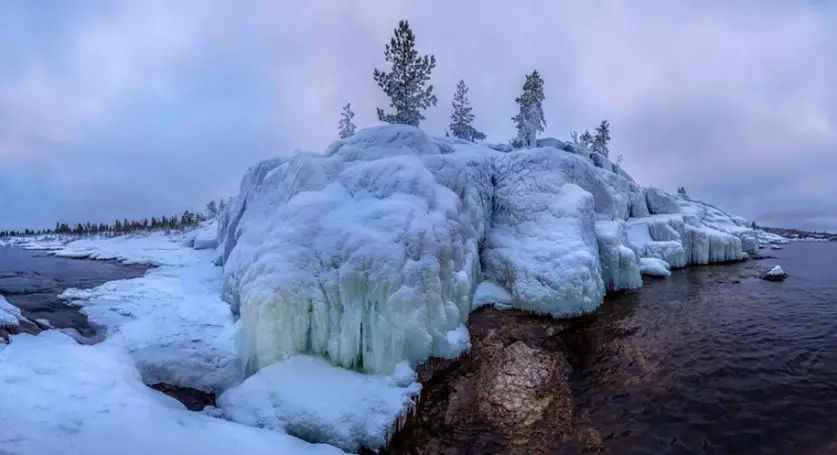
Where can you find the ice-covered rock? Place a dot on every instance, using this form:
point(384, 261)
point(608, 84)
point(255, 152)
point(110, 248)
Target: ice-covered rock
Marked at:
point(654, 267)
point(489, 293)
point(10, 315)
point(307, 397)
point(660, 202)
point(777, 273)
point(367, 256)
point(370, 255)
point(775, 247)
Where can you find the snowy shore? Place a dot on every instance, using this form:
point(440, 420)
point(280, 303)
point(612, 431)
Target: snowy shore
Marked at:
point(334, 277)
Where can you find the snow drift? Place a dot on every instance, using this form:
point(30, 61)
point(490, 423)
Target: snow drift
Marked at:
point(369, 255)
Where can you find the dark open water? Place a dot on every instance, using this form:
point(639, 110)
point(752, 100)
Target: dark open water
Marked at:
point(32, 280)
point(702, 363)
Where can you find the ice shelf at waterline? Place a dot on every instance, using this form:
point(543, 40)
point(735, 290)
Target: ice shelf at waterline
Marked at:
point(369, 254)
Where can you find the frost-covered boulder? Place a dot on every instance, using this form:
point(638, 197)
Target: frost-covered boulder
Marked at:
point(682, 240)
point(654, 267)
point(660, 202)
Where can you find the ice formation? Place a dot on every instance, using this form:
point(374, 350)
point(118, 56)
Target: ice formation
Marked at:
point(370, 255)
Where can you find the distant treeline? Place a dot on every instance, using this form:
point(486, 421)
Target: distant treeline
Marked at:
point(186, 220)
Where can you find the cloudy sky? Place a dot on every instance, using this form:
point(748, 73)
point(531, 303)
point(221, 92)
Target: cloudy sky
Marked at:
point(138, 108)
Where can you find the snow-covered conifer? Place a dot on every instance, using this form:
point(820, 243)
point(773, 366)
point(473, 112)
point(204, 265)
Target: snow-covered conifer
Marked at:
point(462, 117)
point(345, 126)
point(602, 138)
point(406, 84)
point(530, 120)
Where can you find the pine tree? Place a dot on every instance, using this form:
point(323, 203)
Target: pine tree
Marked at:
point(461, 119)
point(211, 209)
point(530, 120)
point(681, 190)
point(406, 84)
point(602, 138)
point(345, 127)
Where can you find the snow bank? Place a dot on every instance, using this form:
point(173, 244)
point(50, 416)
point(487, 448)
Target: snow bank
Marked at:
point(370, 254)
point(61, 397)
point(306, 396)
point(654, 267)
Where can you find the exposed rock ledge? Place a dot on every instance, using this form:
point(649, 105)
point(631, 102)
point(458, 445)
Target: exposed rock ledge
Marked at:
point(509, 394)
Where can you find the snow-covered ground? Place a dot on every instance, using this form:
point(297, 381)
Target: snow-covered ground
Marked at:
point(172, 326)
point(334, 276)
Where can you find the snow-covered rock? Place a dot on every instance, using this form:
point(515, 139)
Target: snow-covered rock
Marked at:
point(660, 202)
point(777, 273)
point(654, 267)
point(775, 247)
point(306, 396)
point(10, 315)
point(489, 293)
point(59, 397)
point(370, 254)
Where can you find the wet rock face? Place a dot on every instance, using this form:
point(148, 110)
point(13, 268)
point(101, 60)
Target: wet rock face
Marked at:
point(510, 394)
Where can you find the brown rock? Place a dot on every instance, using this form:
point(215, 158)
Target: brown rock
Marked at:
point(510, 394)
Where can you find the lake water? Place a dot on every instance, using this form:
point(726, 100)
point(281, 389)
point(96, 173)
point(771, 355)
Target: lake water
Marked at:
point(716, 360)
point(32, 281)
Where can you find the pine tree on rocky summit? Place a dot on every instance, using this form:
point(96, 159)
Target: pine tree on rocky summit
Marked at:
point(530, 120)
point(345, 126)
point(602, 138)
point(461, 119)
point(406, 84)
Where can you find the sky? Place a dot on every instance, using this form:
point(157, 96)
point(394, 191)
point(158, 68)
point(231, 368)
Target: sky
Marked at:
point(131, 109)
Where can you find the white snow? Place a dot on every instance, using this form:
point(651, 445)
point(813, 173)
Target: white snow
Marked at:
point(654, 267)
point(307, 396)
point(489, 293)
point(59, 397)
